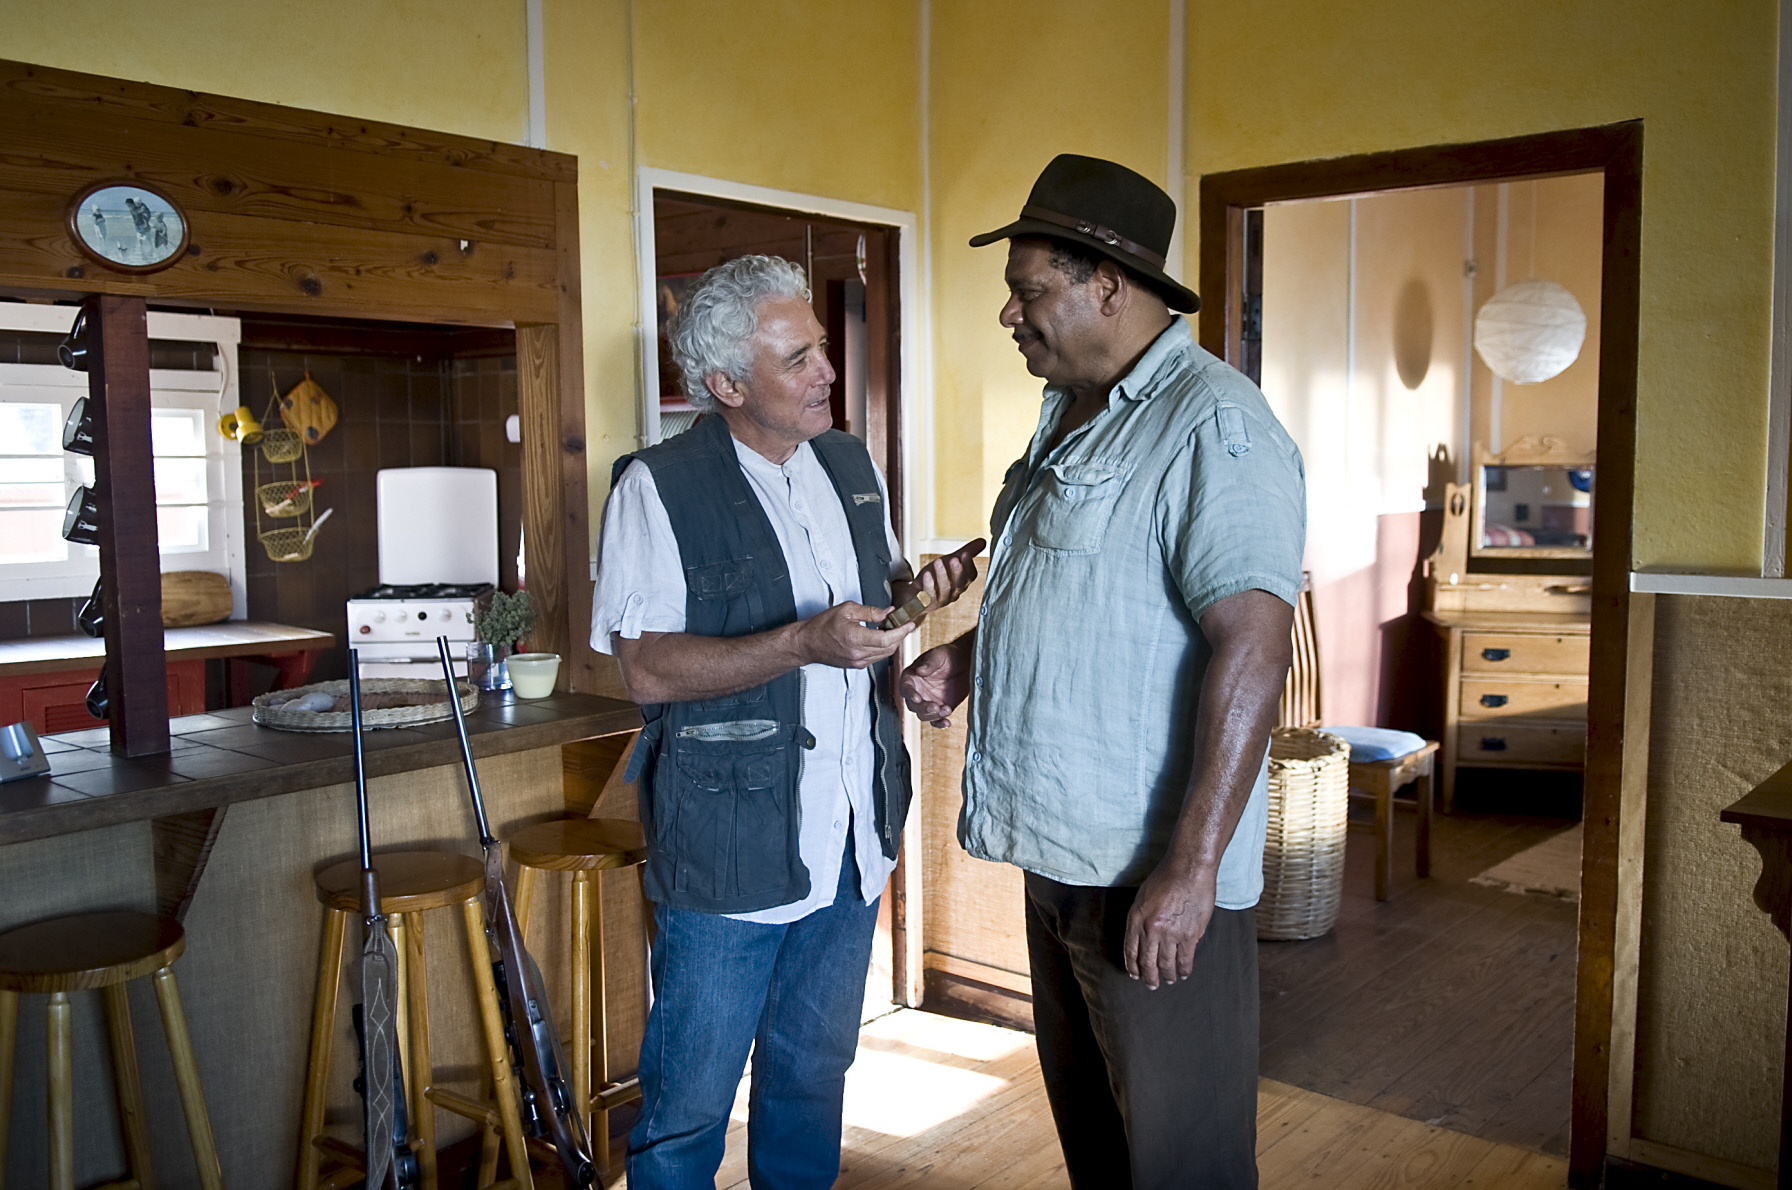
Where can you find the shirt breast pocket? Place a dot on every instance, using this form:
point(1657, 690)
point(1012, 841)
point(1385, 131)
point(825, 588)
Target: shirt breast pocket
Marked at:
point(1077, 501)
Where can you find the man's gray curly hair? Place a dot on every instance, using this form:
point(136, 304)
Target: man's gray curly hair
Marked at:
point(720, 316)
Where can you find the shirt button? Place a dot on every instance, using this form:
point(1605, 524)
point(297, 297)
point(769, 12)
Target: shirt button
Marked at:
point(976, 758)
point(1007, 538)
point(979, 683)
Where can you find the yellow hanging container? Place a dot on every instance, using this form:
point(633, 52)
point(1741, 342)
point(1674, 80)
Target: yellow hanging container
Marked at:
point(308, 409)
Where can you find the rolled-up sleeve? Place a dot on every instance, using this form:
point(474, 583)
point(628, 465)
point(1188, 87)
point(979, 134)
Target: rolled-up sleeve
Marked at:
point(1236, 517)
point(640, 580)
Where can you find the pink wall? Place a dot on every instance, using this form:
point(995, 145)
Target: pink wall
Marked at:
point(1376, 656)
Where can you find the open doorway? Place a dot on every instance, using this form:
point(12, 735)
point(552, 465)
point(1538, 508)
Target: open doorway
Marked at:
point(855, 288)
point(1362, 332)
point(1618, 678)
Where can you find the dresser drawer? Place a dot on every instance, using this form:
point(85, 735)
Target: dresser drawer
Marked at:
point(1522, 698)
point(1521, 743)
point(1509, 652)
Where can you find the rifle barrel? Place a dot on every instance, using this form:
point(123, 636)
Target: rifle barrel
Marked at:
point(354, 702)
point(466, 749)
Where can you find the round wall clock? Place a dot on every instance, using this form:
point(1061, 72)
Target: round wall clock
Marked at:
point(128, 226)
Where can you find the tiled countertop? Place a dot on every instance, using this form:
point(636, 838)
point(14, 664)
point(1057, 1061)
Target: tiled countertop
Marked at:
point(223, 757)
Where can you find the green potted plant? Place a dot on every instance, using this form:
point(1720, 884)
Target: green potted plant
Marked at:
point(497, 624)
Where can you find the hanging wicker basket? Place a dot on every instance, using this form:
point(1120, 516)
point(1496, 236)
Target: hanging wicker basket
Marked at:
point(286, 545)
point(1303, 851)
point(284, 499)
point(282, 446)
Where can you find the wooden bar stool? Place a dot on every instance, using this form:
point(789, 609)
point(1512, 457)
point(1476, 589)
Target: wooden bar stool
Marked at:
point(103, 951)
point(411, 884)
point(586, 847)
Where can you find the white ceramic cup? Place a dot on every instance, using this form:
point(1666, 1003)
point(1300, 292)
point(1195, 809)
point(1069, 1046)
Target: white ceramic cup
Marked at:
point(532, 674)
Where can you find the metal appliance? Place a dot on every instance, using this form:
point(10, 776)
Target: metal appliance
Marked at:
point(438, 543)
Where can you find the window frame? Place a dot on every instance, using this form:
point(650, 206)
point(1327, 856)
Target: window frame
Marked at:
point(213, 392)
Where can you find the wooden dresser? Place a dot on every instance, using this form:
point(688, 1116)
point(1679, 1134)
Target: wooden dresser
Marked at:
point(1514, 690)
point(1514, 647)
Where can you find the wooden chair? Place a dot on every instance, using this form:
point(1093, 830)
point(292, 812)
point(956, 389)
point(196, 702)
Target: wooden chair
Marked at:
point(586, 848)
point(1391, 761)
point(101, 951)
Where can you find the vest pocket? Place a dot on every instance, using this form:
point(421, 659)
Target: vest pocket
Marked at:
point(732, 824)
point(1075, 505)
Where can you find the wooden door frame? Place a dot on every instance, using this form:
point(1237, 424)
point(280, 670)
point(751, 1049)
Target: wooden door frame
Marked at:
point(1616, 764)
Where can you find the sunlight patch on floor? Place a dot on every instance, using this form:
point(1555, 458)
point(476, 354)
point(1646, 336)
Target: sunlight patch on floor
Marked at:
point(910, 1074)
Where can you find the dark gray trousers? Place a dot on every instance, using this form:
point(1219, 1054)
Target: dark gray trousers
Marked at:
point(1149, 1089)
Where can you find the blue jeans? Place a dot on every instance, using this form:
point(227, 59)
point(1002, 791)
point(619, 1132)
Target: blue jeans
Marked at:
point(793, 994)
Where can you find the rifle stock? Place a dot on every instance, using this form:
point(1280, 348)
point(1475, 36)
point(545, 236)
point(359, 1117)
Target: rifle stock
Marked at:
point(548, 1110)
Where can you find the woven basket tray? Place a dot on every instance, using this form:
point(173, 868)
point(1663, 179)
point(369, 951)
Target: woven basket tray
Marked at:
point(1303, 851)
point(272, 716)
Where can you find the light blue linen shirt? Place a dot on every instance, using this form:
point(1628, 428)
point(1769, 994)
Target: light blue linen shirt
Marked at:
point(1090, 656)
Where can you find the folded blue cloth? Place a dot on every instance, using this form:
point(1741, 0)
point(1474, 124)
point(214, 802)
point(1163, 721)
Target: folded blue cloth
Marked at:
point(1378, 743)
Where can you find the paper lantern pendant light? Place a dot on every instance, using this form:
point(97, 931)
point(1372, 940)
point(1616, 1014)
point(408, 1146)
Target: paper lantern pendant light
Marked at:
point(1530, 331)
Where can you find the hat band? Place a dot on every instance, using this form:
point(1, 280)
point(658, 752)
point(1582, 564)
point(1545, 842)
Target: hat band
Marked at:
point(1095, 231)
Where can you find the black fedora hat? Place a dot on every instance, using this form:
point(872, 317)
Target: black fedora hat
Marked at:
point(1108, 208)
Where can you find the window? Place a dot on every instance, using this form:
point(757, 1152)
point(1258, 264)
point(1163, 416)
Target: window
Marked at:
point(198, 474)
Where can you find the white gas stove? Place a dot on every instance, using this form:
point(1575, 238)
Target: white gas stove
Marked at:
point(438, 540)
point(394, 628)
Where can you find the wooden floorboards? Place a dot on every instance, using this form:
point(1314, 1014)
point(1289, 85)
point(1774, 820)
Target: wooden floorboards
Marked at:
point(1450, 1004)
point(914, 1119)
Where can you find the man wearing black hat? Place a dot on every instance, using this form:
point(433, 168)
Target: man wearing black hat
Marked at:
point(1133, 644)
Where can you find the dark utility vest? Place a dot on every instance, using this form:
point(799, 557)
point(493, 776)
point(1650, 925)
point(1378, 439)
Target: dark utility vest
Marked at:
point(718, 776)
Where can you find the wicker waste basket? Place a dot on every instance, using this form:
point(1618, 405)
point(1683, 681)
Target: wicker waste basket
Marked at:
point(1303, 851)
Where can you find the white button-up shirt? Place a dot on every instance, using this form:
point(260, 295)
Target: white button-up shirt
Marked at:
point(641, 588)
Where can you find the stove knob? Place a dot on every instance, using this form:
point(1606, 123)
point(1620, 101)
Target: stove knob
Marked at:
point(365, 630)
point(379, 617)
point(423, 615)
point(399, 616)
point(446, 615)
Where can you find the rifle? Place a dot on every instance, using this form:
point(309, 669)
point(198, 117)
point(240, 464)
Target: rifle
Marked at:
point(548, 1109)
point(390, 1161)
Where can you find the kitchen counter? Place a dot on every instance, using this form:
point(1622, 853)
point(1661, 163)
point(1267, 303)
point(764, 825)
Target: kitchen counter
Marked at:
point(222, 757)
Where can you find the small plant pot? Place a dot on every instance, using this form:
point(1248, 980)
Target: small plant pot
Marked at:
point(485, 665)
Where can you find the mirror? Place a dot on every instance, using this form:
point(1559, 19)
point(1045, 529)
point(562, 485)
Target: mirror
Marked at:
point(1533, 510)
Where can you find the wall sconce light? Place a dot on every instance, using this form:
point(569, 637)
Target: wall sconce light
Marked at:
point(81, 521)
point(72, 351)
point(97, 702)
point(77, 431)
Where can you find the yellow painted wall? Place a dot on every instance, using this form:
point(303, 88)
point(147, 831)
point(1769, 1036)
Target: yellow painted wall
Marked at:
point(1325, 78)
point(448, 65)
point(816, 96)
point(1013, 85)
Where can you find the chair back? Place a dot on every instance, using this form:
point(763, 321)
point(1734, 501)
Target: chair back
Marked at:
point(1302, 704)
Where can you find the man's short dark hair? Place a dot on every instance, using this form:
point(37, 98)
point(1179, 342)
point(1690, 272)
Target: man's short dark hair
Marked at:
point(1077, 262)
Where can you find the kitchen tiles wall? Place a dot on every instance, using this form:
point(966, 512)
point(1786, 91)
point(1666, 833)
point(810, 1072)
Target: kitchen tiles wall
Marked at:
point(394, 411)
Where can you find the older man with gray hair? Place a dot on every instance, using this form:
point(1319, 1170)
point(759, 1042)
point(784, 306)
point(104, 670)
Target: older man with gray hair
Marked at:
point(743, 568)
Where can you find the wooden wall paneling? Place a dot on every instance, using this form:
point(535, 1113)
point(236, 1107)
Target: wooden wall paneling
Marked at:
point(576, 544)
point(117, 332)
point(538, 405)
point(1616, 150)
point(114, 98)
point(254, 262)
point(57, 151)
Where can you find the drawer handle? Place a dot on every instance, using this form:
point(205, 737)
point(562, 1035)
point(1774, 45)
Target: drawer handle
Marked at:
point(1494, 700)
point(1493, 743)
point(1496, 654)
